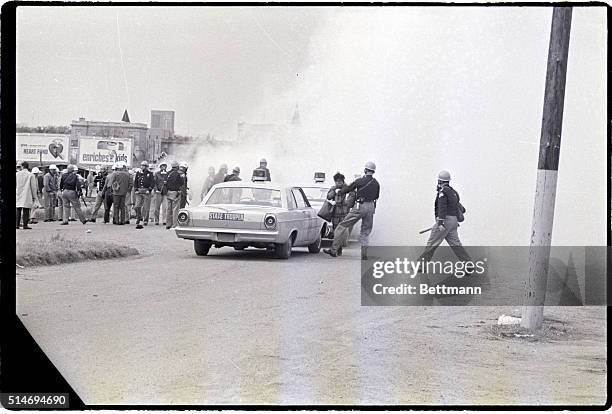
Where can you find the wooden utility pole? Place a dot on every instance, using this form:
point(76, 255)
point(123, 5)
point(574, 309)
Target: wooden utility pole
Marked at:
point(548, 164)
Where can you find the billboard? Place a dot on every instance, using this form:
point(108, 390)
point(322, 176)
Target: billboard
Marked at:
point(104, 151)
point(52, 147)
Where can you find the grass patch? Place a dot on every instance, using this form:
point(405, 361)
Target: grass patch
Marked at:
point(56, 250)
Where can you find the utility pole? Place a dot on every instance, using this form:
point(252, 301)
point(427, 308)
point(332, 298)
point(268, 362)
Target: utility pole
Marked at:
point(548, 165)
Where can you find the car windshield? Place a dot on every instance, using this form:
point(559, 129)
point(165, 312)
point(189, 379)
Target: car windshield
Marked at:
point(315, 193)
point(245, 195)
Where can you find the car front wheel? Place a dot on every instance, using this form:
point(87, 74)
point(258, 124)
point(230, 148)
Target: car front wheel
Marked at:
point(201, 247)
point(283, 250)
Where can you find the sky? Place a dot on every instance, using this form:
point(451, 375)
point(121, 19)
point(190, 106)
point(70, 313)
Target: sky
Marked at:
point(210, 65)
point(415, 89)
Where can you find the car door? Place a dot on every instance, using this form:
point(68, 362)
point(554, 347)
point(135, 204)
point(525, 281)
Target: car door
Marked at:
point(311, 217)
point(304, 232)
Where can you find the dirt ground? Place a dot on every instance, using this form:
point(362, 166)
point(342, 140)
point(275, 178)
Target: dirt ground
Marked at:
point(168, 327)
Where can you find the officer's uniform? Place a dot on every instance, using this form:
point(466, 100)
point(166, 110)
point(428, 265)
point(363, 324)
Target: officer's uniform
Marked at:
point(446, 206)
point(161, 199)
point(183, 190)
point(144, 183)
point(99, 195)
point(368, 191)
point(174, 184)
point(266, 173)
point(232, 177)
point(68, 184)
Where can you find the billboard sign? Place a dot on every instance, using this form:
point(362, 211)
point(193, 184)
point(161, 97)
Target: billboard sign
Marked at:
point(48, 148)
point(104, 151)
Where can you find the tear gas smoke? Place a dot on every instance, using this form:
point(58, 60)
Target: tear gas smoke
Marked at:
point(417, 90)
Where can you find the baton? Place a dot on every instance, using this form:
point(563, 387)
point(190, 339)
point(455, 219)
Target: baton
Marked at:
point(84, 202)
point(426, 230)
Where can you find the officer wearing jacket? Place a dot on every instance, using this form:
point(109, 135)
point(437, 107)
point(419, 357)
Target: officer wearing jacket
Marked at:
point(368, 191)
point(100, 194)
point(446, 210)
point(120, 183)
point(69, 184)
point(234, 176)
point(263, 166)
point(144, 182)
point(161, 199)
point(174, 184)
point(184, 192)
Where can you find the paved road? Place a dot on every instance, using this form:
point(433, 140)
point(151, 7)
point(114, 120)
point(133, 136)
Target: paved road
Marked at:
point(242, 327)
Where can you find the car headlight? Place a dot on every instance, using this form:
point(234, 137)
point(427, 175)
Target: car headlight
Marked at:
point(270, 221)
point(183, 217)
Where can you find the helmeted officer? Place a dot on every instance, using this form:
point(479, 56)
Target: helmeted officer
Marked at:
point(368, 191)
point(220, 175)
point(263, 166)
point(174, 184)
point(446, 209)
point(144, 183)
point(234, 176)
point(183, 167)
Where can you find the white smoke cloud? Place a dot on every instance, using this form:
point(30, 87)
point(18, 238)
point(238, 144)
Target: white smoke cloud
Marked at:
point(417, 90)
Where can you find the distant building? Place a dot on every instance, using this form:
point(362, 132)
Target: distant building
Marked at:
point(162, 130)
point(162, 120)
point(144, 147)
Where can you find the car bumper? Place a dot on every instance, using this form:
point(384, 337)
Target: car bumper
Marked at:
point(227, 235)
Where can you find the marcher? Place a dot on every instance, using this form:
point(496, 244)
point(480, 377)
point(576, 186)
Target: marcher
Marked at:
point(220, 176)
point(185, 189)
point(368, 191)
point(69, 184)
point(143, 186)
point(130, 211)
point(161, 193)
point(90, 183)
point(208, 183)
point(121, 185)
point(26, 195)
point(50, 189)
point(60, 202)
point(446, 210)
point(39, 182)
point(234, 176)
point(108, 193)
point(174, 185)
point(18, 167)
point(263, 165)
point(99, 181)
point(342, 204)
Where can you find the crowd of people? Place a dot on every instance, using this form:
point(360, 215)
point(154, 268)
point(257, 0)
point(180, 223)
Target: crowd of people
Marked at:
point(125, 193)
point(149, 192)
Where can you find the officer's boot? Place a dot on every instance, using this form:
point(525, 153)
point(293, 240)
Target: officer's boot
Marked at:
point(364, 252)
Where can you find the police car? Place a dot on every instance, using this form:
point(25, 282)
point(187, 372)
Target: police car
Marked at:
point(263, 215)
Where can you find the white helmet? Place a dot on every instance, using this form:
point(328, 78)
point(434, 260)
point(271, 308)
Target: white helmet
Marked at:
point(53, 167)
point(444, 176)
point(35, 170)
point(184, 164)
point(370, 166)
